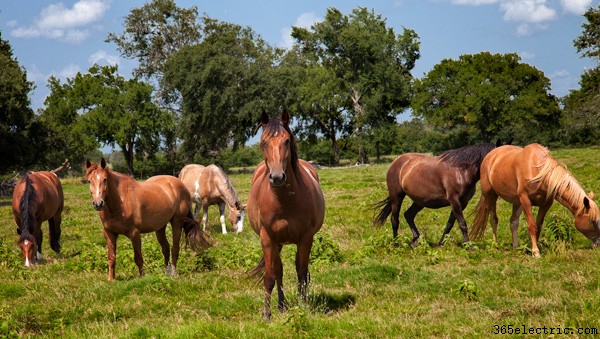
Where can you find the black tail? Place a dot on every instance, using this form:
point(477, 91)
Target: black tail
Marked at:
point(196, 237)
point(28, 199)
point(385, 207)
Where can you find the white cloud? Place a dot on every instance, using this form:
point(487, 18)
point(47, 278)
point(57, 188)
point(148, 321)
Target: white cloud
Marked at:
point(526, 55)
point(11, 23)
point(305, 20)
point(103, 58)
point(69, 71)
point(473, 2)
point(60, 23)
point(563, 73)
point(576, 6)
point(533, 11)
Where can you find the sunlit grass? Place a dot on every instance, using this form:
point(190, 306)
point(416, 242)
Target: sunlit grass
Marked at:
point(363, 283)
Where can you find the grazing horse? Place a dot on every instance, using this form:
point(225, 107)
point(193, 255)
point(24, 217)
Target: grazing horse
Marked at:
point(285, 206)
point(37, 197)
point(449, 179)
point(210, 186)
point(528, 177)
point(130, 208)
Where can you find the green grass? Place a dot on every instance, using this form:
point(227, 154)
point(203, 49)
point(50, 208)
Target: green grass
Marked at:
point(363, 283)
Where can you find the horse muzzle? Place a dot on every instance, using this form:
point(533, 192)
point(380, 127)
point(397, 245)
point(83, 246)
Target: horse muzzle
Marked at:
point(98, 205)
point(277, 179)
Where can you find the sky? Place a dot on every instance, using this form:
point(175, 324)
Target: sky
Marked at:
point(61, 38)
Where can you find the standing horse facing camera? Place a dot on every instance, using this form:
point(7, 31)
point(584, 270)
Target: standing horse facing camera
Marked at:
point(131, 208)
point(210, 186)
point(285, 206)
point(528, 177)
point(449, 179)
point(37, 197)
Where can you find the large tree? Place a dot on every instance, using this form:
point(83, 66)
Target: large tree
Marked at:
point(153, 32)
point(486, 95)
point(223, 83)
point(371, 62)
point(113, 110)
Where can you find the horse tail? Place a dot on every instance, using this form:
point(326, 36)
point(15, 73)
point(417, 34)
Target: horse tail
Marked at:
point(258, 273)
point(385, 207)
point(482, 213)
point(25, 206)
point(195, 235)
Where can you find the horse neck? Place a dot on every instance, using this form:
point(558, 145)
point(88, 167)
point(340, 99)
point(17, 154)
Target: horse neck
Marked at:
point(228, 192)
point(571, 196)
point(114, 203)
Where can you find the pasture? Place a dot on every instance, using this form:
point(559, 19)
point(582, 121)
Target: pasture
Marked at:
point(363, 284)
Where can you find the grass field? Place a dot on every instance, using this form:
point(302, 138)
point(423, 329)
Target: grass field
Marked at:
point(363, 284)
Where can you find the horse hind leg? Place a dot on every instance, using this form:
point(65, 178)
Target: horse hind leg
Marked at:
point(164, 246)
point(395, 214)
point(54, 228)
point(514, 225)
point(410, 215)
point(448, 228)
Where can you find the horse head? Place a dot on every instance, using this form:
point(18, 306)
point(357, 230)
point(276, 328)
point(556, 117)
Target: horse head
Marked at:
point(278, 147)
point(97, 177)
point(236, 217)
point(587, 220)
point(29, 248)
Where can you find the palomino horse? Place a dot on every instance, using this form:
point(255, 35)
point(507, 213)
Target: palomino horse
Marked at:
point(210, 186)
point(285, 206)
point(528, 177)
point(130, 208)
point(433, 182)
point(37, 197)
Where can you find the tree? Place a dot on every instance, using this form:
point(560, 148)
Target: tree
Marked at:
point(588, 43)
point(113, 110)
point(487, 95)
point(153, 32)
point(223, 83)
point(18, 128)
point(370, 61)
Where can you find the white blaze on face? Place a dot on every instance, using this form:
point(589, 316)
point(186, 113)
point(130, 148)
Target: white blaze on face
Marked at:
point(97, 191)
point(27, 262)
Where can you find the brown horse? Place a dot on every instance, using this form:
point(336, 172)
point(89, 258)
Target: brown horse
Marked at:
point(433, 182)
point(130, 208)
point(528, 177)
point(285, 206)
point(210, 186)
point(37, 197)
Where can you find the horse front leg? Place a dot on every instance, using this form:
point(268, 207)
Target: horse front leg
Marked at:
point(111, 245)
point(136, 241)
point(39, 238)
point(54, 228)
point(273, 273)
point(204, 216)
point(531, 224)
point(448, 228)
point(222, 217)
point(457, 211)
point(302, 261)
point(410, 215)
point(164, 246)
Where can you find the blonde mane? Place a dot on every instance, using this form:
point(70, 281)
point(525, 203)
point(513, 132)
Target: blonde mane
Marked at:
point(561, 183)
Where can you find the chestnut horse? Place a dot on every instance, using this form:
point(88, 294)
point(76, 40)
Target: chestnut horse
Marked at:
point(285, 206)
point(130, 208)
point(210, 186)
point(37, 197)
point(449, 179)
point(528, 177)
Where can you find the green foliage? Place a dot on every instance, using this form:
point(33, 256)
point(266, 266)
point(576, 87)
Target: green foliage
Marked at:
point(324, 250)
point(467, 289)
point(587, 43)
point(488, 95)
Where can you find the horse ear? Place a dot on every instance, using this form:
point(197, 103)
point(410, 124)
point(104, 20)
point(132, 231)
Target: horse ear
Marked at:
point(285, 117)
point(586, 202)
point(103, 163)
point(88, 163)
point(264, 118)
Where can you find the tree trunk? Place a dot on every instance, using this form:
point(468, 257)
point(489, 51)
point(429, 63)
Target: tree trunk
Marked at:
point(359, 111)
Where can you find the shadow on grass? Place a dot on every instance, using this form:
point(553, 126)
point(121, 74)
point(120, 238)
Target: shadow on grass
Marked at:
point(328, 303)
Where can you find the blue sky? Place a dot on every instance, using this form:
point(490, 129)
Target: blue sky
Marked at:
point(62, 38)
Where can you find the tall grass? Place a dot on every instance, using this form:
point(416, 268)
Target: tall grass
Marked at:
point(363, 283)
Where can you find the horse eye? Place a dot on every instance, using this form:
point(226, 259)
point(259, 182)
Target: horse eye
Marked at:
point(287, 142)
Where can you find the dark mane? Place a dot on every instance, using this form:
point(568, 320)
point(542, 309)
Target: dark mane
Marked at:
point(27, 211)
point(276, 126)
point(467, 156)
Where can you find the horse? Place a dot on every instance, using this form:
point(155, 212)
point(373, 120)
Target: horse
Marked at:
point(285, 206)
point(37, 197)
point(210, 186)
point(527, 177)
point(449, 179)
point(129, 208)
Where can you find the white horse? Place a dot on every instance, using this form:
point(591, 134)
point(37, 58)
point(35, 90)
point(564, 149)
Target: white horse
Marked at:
point(208, 185)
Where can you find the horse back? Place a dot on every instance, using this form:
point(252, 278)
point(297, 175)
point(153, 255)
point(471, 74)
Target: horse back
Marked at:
point(48, 192)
